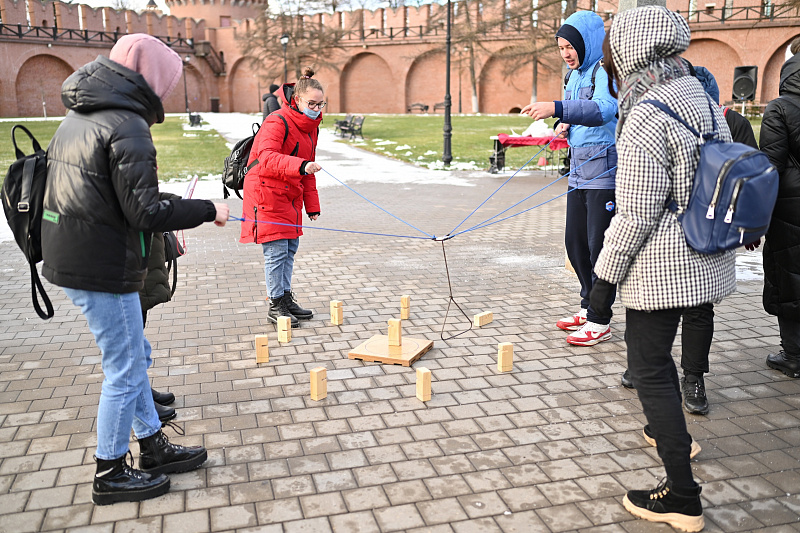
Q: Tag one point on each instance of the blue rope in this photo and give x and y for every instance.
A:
(379, 207)
(239, 219)
(503, 185)
(535, 206)
(543, 188)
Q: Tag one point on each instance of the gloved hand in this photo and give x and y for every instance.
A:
(753, 245)
(313, 216)
(599, 298)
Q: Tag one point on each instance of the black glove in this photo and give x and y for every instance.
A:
(600, 297)
(313, 214)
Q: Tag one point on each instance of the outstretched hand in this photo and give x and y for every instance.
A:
(222, 214)
(539, 110)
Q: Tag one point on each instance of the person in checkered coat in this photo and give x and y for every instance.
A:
(645, 253)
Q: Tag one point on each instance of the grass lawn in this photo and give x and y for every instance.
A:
(180, 153)
(420, 137)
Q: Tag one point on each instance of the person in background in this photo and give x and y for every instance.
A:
(271, 102)
(156, 290)
(280, 183)
(698, 322)
(645, 252)
(101, 206)
(587, 116)
(780, 140)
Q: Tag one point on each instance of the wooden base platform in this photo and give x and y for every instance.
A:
(377, 349)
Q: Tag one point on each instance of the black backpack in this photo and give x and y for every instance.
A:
(236, 167)
(23, 203)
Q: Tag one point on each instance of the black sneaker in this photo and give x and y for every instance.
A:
(694, 395)
(158, 455)
(651, 440)
(294, 307)
(626, 380)
(680, 508)
(115, 481)
(163, 398)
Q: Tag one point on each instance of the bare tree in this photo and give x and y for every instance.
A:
(313, 39)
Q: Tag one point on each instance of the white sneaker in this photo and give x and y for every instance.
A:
(590, 334)
(574, 322)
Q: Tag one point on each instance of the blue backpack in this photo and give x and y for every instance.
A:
(733, 194)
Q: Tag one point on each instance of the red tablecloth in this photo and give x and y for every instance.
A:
(508, 140)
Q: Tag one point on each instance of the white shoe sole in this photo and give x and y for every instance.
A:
(568, 328)
(692, 452)
(676, 520)
(591, 342)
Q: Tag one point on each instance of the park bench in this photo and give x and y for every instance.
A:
(437, 107)
(337, 126)
(354, 128)
(194, 120)
(422, 108)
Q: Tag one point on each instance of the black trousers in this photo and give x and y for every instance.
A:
(790, 335)
(697, 332)
(649, 336)
(589, 212)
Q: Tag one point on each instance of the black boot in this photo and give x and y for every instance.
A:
(294, 307)
(679, 507)
(694, 395)
(278, 307)
(115, 481)
(626, 380)
(165, 414)
(158, 455)
(163, 398)
(789, 364)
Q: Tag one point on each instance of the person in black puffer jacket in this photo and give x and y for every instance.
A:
(780, 140)
(271, 102)
(101, 206)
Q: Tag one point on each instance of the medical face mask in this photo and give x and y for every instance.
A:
(312, 114)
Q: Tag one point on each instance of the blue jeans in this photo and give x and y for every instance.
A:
(126, 402)
(278, 265)
(589, 212)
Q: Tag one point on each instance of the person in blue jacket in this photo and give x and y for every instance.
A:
(587, 117)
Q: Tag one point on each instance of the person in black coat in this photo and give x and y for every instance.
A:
(780, 140)
(271, 102)
(101, 206)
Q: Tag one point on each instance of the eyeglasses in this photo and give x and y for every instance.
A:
(313, 105)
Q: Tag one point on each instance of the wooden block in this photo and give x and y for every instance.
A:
(262, 349)
(319, 383)
(377, 349)
(395, 332)
(337, 315)
(482, 319)
(423, 384)
(284, 329)
(405, 306)
(505, 357)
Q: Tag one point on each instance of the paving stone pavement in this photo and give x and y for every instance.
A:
(551, 446)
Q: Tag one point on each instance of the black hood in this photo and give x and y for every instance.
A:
(104, 84)
(790, 79)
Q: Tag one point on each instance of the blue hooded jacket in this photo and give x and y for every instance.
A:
(592, 117)
(708, 81)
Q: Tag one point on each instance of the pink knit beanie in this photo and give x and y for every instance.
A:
(157, 62)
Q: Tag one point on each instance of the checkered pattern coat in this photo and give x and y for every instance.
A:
(645, 252)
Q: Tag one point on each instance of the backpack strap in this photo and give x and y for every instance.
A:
(36, 285)
(725, 110)
(566, 78)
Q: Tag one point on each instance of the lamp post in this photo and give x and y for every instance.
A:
(447, 156)
(185, 90)
(284, 42)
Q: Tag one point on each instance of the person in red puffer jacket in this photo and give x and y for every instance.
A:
(279, 184)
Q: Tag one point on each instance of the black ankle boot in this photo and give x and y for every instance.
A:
(294, 307)
(165, 414)
(163, 398)
(278, 307)
(158, 455)
(115, 481)
(789, 364)
(679, 507)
